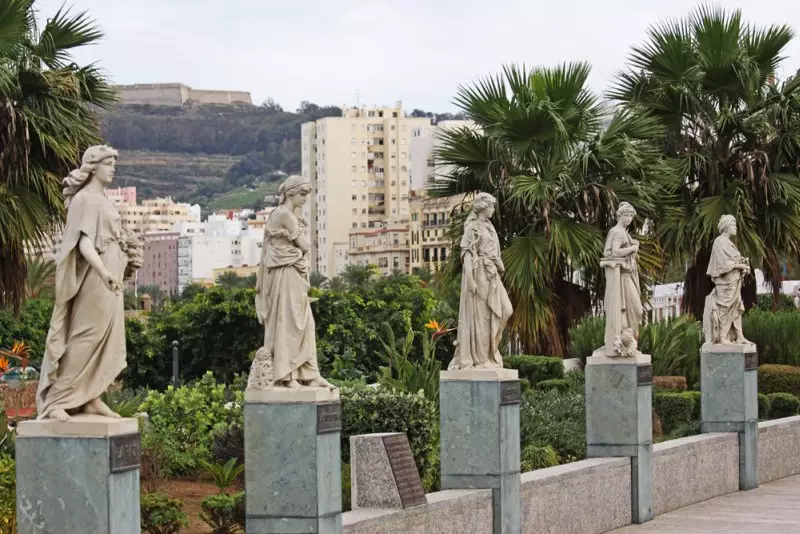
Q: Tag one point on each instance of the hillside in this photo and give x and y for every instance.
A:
(225, 155)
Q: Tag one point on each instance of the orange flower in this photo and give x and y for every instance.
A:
(434, 325)
(4, 365)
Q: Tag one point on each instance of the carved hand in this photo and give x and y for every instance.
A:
(111, 283)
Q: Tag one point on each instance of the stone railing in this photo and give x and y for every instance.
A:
(594, 496)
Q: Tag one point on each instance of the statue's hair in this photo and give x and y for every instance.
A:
(78, 178)
(482, 202)
(625, 209)
(293, 185)
(725, 222)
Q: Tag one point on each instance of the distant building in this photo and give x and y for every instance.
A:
(122, 196)
(177, 94)
(242, 271)
(386, 248)
(425, 140)
(155, 215)
(430, 219)
(160, 266)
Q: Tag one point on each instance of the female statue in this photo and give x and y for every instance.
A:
(722, 316)
(622, 303)
(485, 307)
(85, 349)
(289, 355)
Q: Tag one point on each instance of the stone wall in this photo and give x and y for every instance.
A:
(593, 496)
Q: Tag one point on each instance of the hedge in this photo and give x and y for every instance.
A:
(559, 384)
(536, 368)
(535, 457)
(783, 405)
(779, 379)
(763, 407)
(674, 409)
(670, 383)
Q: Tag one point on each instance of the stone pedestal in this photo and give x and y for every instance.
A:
(80, 475)
(479, 414)
(293, 466)
(729, 401)
(619, 421)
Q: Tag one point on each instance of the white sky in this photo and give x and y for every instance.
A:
(417, 51)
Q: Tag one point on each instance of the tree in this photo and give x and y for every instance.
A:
(710, 79)
(155, 292)
(317, 280)
(46, 121)
(41, 278)
(558, 176)
(358, 276)
(228, 280)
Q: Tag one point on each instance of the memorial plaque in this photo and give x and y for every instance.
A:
(510, 392)
(751, 361)
(644, 375)
(125, 452)
(404, 469)
(329, 418)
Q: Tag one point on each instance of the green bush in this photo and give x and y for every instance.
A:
(783, 405)
(674, 409)
(524, 384)
(535, 457)
(696, 396)
(161, 515)
(684, 430)
(587, 336)
(8, 495)
(536, 368)
(576, 380)
(555, 419)
(367, 410)
(186, 420)
(763, 407)
(346, 487)
(220, 513)
(777, 335)
(779, 379)
(785, 303)
(559, 384)
(228, 443)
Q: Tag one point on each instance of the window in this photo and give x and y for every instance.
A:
(355, 225)
(354, 197)
(353, 168)
(394, 127)
(394, 114)
(355, 211)
(363, 212)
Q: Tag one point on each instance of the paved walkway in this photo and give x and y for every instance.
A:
(773, 508)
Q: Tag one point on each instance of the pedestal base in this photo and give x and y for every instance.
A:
(619, 421)
(479, 414)
(80, 475)
(293, 466)
(729, 401)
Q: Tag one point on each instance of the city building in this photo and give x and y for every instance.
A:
(160, 265)
(386, 248)
(177, 94)
(425, 140)
(430, 219)
(122, 196)
(199, 255)
(358, 165)
(155, 215)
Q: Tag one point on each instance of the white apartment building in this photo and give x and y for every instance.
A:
(155, 215)
(359, 167)
(199, 255)
(425, 140)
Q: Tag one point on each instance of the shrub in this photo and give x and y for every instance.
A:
(224, 474)
(777, 335)
(346, 487)
(779, 379)
(161, 515)
(576, 380)
(524, 384)
(367, 410)
(684, 430)
(220, 513)
(8, 495)
(785, 303)
(783, 405)
(534, 457)
(674, 409)
(763, 406)
(229, 443)
(536, 368)
(696, 396)
(559, 384)
(670, 383)
(555, 419)
(586, 337)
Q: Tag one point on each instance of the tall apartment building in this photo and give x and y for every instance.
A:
(155, 215)
(425, 141)
(358, 165)
(160, 265)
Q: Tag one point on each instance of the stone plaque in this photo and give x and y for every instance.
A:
(329, 418)
(404, 469)
(125, 452)
(644, 375)
(510, 392)
(751, 361)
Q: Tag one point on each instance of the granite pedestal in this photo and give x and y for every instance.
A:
(729, 401)
(479, 413)
(293, 466)
(80, 475)
(619, 421)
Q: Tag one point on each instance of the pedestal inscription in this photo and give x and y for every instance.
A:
(329, 418)
(125, 452)
(404, 470)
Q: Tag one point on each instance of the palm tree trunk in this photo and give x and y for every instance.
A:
(697, 285)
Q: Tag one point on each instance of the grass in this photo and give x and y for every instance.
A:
(243, 197)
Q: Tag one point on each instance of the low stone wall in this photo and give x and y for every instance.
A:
(778, 449)
(593, 496)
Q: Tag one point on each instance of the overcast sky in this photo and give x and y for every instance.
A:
(379, 51)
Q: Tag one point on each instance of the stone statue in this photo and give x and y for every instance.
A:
(289, 355)
(485, 307)
(85, 348)
(722, 316)
(622, 303)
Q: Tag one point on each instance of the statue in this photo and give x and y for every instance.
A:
(85, 347)
(485, 307)
(622, 303)
(289, 355)
(722, 316)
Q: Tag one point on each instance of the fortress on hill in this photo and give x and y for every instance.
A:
(177, 94)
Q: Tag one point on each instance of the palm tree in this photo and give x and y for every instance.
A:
(358, 276)
(710, 79)
(229, 280)
(539, 146)
(41, 278)
(46, 121)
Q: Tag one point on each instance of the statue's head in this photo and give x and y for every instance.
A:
(484, 203)
(727, 225)
(98, 163)
(625, 213)
(296, 188)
